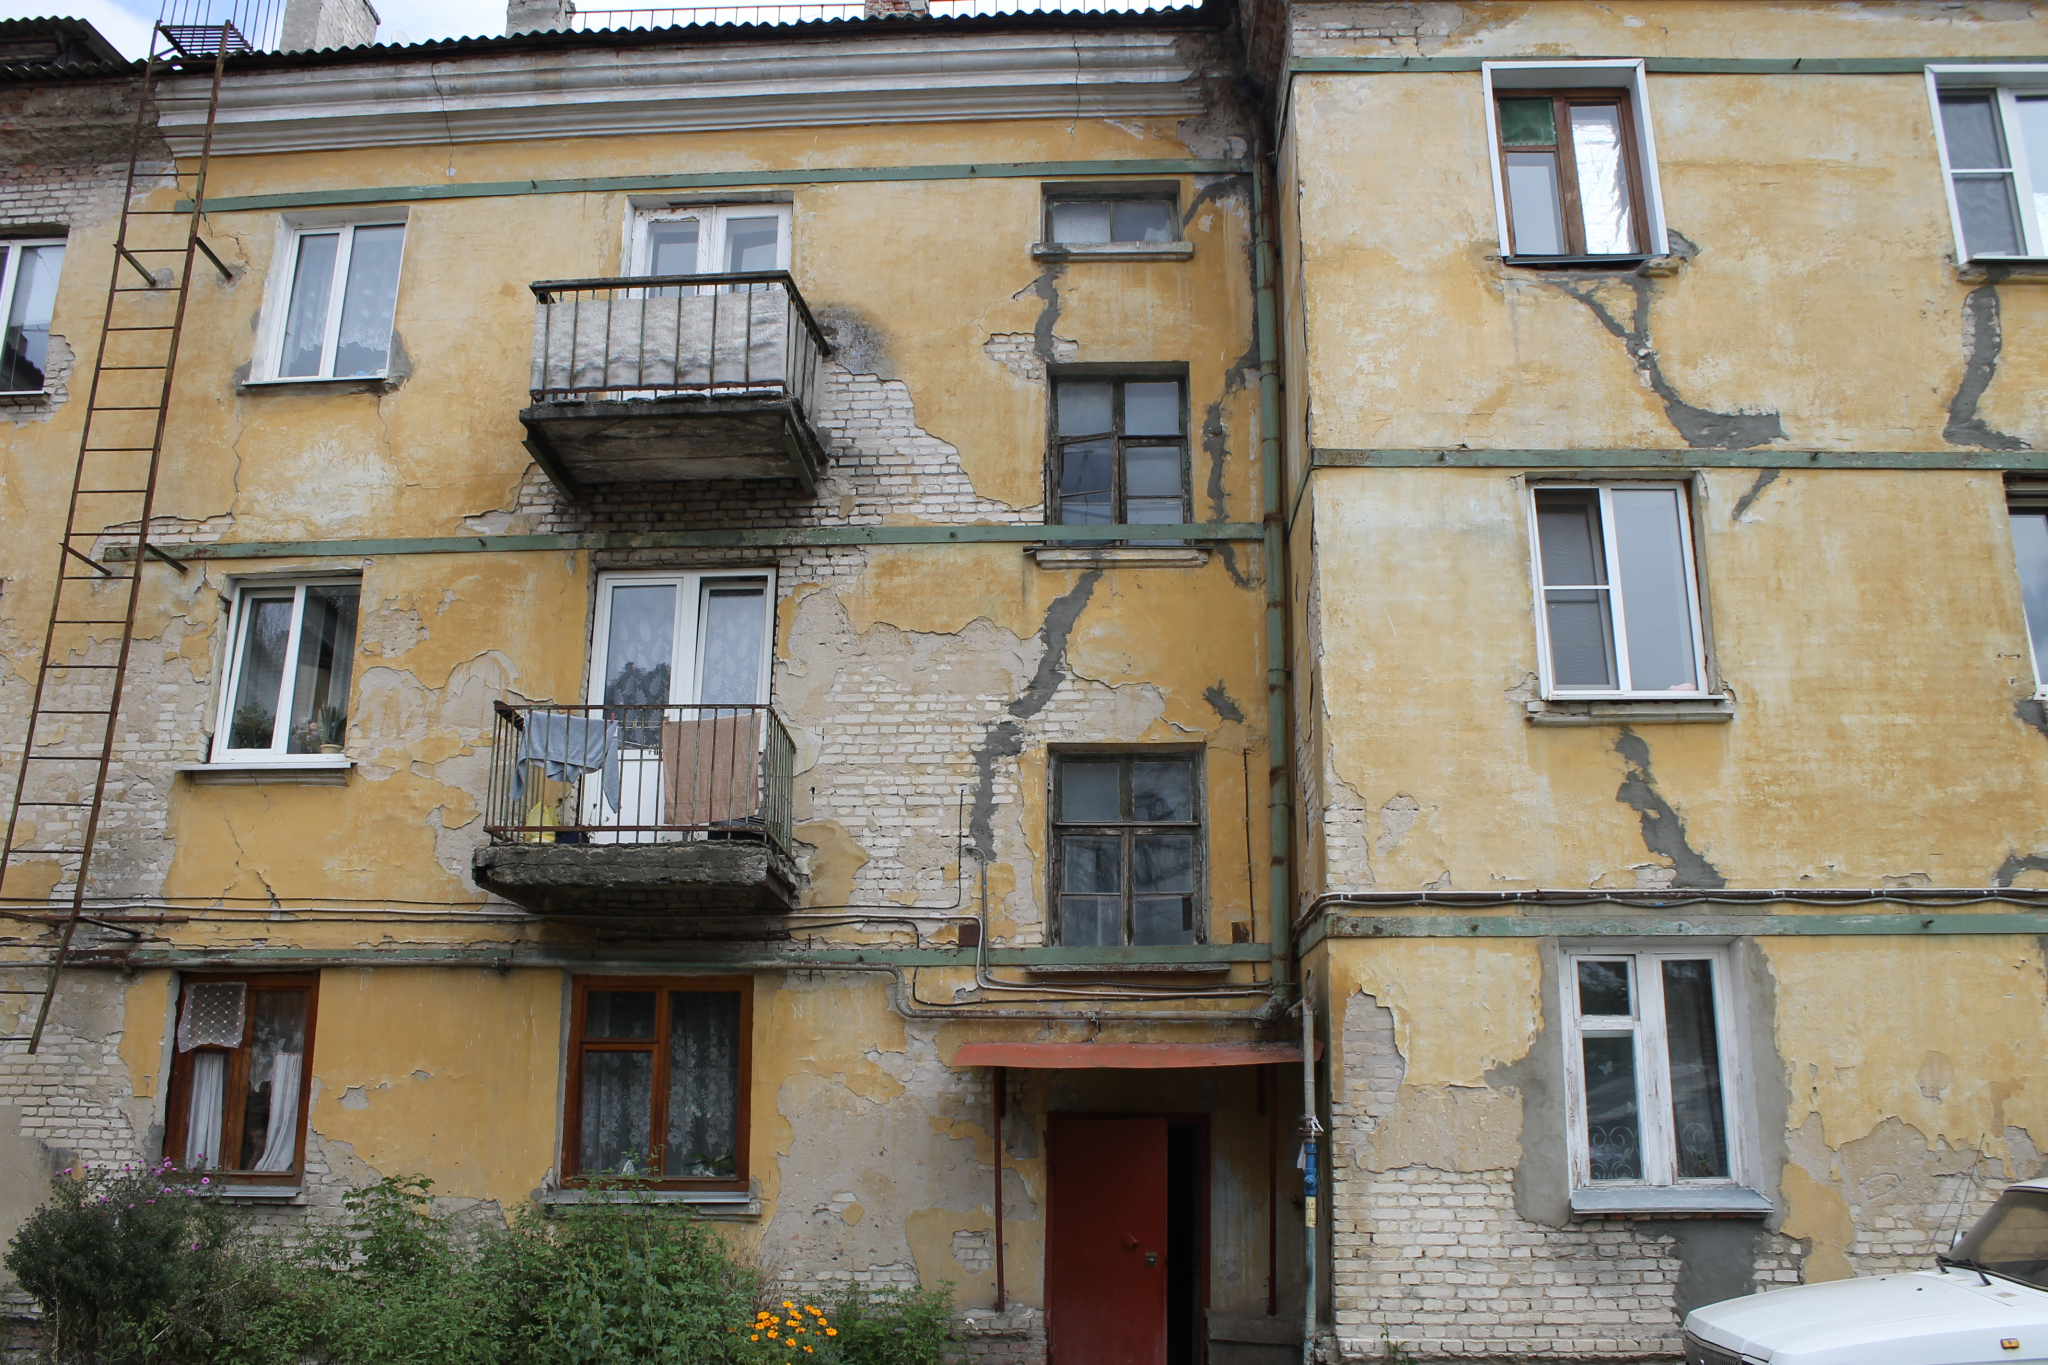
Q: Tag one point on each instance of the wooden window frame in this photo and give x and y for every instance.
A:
(662, 986)
(1562, 100)
(1657, 1143)
(177, 1094)
(2028, 501)
(1056, 444)
(1127, 831)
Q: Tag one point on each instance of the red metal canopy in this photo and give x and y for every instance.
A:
(1125, 1056)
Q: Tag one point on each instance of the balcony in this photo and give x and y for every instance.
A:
(675, 377)
(607, 810)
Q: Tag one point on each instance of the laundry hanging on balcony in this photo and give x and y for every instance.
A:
(567, 747)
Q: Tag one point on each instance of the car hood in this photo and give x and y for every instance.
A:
(1925, 1318)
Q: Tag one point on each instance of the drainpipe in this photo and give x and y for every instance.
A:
(1279, 734)
(1002, 1084)
(1311, 1169)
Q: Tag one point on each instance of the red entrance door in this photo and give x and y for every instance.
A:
(1105, 1250)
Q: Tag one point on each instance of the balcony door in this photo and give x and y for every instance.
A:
(711, 240)
(679, 662)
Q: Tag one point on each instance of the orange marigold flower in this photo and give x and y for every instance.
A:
(755, 1337)
(831, 1331)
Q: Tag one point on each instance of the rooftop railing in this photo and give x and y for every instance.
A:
(639, 775)
(661, 336)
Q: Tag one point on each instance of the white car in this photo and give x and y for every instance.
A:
(1985, 1302)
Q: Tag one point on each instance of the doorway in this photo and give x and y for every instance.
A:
(1126, 1261)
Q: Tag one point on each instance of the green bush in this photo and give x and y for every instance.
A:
(894, 1326)
(130, 1266)
(140, 1268)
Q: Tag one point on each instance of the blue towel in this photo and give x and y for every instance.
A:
(566, 747)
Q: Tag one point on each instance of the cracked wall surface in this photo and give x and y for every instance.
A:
(924, 686)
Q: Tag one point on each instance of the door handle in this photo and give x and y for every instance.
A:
(1151, 1258)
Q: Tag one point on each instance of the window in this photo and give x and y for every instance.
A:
(293, 655)
(1127, 857)
(1574, 165)
(1120, 452)
(1648, 1042)
(712, 240)
(1994, 147)
(28, 292)
(1085, 220)
(2030, 552)
(1618, 609)
(659, 1075)
(238, 1076)
(338, 309)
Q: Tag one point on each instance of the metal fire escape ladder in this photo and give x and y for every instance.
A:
(60, 789)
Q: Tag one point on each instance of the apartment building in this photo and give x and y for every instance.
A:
(642, 660)
(1665, 405)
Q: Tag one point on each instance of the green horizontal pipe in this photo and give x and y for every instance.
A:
(673, 540)
(1330, 457)
(682, 955)
(712, 180)
(1667, 66)
(1889, 924)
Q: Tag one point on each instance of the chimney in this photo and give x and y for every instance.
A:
(888, 9)
(310, 25)
(538, 16)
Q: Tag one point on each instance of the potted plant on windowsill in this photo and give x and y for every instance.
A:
(332, 723)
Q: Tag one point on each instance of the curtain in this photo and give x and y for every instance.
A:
(202, 1117)
(281, 1141)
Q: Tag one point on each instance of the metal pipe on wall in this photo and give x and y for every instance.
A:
(1001, 1078)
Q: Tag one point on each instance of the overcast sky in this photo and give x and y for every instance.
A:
(126, 25)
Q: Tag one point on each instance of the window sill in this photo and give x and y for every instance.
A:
(729, 1203)
(362, 383)
(1981, 270)
(1112, 251)
(312, 771)
(1641, 1199)
(263, 1194)
(1120, 557)
(1623, 711)
(1630, 262)
(26, 398)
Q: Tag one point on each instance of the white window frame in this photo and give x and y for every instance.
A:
(1622, 73)
(2005, 81)
(2020, 504)
(1658, 1144)
(689, 599)
(1702, 675)
(278, 754)
(269, 362)
(10, 279)
(712, 220)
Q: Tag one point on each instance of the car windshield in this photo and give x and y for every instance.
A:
(2012, 1239)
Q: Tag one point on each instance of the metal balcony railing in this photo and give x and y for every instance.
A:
(661, 336)
(639, 775)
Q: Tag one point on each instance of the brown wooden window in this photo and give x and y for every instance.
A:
(239, 1076)
(1127, 848)
(659, 1073)
(1120, 452)
(1569, 171)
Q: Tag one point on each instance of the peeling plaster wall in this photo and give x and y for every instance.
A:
(923, 684)
(1866, 626)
